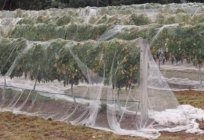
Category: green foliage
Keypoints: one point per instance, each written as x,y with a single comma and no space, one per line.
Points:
54,61
9,52
139,19
182,42
43,32
117,58
64,20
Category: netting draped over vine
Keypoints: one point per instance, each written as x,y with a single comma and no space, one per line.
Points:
71,66
100,99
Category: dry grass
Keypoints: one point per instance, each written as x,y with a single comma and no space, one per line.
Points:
20,127
194,98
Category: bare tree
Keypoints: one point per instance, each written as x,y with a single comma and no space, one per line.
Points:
7,5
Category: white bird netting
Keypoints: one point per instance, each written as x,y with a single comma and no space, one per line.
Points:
96,103
92,74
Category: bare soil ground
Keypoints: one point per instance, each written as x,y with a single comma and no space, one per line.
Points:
20,127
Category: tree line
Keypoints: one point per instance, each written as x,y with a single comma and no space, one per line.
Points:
44,4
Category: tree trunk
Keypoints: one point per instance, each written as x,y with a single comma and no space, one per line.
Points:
7,5
97,2
118,102
200,75
73,93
